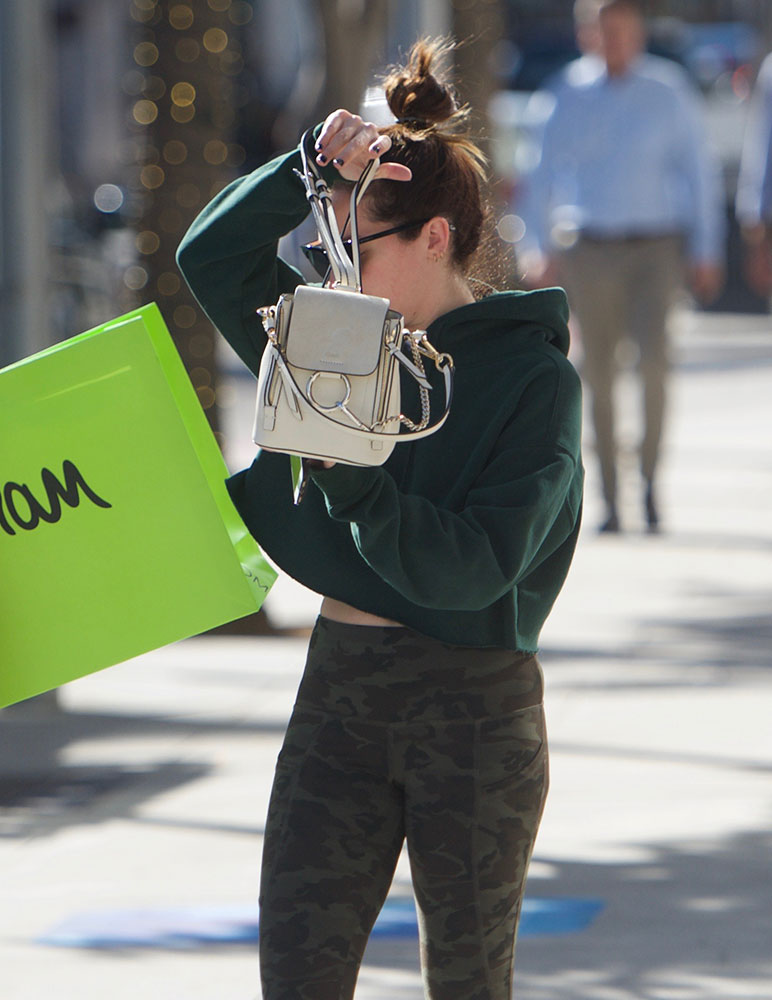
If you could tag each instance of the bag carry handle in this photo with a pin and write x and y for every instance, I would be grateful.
(346, 270)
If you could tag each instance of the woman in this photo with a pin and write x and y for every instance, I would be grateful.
(419, 715)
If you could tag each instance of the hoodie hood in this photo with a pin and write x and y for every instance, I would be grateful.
(538, 316)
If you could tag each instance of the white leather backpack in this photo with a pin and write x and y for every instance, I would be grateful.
(328, 386)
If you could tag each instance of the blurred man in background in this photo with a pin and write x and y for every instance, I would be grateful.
(754, 186)
(625, 203)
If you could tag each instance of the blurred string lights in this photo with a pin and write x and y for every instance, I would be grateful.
(184, 96)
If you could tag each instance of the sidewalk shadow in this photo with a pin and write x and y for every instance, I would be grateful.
(738, 635)
(684, 918)
(687, 916)
(40, 794)
(732, 636)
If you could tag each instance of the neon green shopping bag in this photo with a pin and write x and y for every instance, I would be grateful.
(117, 534)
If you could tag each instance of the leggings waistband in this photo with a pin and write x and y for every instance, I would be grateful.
(387, 673)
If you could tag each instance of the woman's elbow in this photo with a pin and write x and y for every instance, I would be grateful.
(187, 256)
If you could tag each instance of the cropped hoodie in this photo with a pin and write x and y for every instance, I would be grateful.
(466, 535)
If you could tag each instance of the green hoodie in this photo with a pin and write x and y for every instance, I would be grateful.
(466, 535)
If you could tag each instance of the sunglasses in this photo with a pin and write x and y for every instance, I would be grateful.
(316, 254)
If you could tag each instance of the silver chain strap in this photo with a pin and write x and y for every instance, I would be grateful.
(423, 393)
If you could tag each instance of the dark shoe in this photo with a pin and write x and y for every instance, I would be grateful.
(652, 514)
(611, 525)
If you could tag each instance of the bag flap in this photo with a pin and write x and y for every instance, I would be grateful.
(336, 331)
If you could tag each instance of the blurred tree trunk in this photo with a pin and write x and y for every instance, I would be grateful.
(479, 26)
(354, 40)
(186, 55)
(187, 58)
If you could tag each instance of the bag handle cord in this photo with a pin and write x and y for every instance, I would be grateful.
(346, 270)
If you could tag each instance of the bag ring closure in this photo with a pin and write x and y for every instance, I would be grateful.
(338, 404)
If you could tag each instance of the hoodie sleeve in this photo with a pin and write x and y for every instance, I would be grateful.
(518, 512)
(229, 255)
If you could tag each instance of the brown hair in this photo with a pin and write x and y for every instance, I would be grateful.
(449, 169)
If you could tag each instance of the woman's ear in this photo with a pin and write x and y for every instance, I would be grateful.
(438, 237)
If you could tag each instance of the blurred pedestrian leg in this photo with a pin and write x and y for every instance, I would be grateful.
(623, 288)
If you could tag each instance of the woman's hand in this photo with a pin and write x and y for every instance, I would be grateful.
(349, 142)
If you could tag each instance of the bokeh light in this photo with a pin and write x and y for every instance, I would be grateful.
(135, 277)
(142, 11)
(200, 376)
(168, 283)
(153, 88)
(133, 82)
(240, 12)
(206, 397)
(215, 40)
(147, 242)
(215, 152)
(183, 115)
(187, 50)
(146, 54)
(145, 112)
(200, 346)
(152, 176)
(181, 17)
(510, 228)
(175, 152)
(184, 316)
(109, 198)
(183, 94)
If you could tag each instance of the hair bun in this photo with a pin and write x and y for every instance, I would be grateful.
(447, 166)
(416, 93)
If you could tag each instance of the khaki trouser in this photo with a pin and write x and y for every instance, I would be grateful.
(617, 289)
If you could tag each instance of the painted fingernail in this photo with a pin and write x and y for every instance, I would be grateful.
(318, 147)
(377, 148)
(338, 162)
(321, 158)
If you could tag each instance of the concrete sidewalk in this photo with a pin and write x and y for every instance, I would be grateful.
(141, 803)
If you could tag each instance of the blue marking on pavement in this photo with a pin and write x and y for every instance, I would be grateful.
(193, 927)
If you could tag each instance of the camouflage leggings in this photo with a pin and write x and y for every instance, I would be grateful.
(397, 736)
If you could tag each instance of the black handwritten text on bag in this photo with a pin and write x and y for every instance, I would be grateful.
(69, 490)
